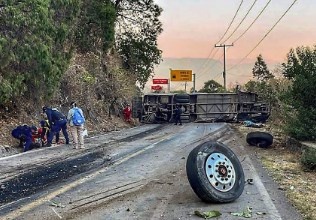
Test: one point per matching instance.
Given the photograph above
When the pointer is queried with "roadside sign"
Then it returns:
(181, 75)
(156, 88)
(160, 81)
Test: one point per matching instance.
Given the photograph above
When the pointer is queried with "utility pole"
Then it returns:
(224, 73)
(193, 82)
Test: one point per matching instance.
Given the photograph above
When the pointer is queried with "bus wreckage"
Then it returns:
(201, 107)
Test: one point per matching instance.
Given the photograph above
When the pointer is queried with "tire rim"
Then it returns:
(220, 172)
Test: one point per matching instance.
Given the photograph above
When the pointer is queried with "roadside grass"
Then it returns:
(299, 185)
(285, 168)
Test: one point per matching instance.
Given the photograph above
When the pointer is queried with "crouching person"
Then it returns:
(24, 134)
(76, 122)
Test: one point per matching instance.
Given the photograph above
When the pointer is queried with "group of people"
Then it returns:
(50, 128)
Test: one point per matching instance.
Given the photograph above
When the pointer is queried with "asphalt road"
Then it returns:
(132, 174)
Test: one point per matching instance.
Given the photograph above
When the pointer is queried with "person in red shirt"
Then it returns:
(127, 113)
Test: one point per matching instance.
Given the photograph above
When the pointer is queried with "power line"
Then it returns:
(265, 35)
(240, 36)
(241, 21)
(230, 24)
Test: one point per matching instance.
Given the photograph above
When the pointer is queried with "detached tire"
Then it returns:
(215, 173)
(260, 139)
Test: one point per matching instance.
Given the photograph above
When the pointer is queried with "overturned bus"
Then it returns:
(201, 107)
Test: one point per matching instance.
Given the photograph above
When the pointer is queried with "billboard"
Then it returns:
(181, 75)
(160, 81)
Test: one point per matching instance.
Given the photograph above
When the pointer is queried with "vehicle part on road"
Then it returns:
(260, 139)
(215, 173)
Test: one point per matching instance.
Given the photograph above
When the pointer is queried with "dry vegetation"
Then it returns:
(285, 168)
(84, 82)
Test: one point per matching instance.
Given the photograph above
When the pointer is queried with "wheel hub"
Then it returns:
(220, 172)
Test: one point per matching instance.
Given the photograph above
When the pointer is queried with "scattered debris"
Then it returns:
(246, 213)
(249, 181)
(207, 215)
(261, 213)
(252, 124)
(58, 205)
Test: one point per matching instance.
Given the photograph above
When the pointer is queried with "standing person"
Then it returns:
(57, 121)
(177, 115)
(24, 134)
(76, 122)
(127, 113)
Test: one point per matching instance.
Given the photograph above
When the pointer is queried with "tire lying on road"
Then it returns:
(260, 139)
(215, 173)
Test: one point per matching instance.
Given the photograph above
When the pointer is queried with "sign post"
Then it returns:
(181, 75)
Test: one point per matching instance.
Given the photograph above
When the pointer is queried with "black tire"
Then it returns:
(208, 159)
(182, 101)
(260, 139)
(182, 96)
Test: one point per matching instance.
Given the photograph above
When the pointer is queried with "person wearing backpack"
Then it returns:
(76, 122)
(57, 121)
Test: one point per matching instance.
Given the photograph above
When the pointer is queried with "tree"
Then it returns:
(260, 70)
(35, 46)
(137, 30)
(212, 86)
(300, 98)
(96, 26)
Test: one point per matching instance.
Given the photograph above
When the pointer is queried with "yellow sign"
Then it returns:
(181, 75)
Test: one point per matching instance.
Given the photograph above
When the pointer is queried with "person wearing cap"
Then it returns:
(57, 121)
(127, 113)
(24, 134)
(76, 130)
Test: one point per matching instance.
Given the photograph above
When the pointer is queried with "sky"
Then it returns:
(193, 27)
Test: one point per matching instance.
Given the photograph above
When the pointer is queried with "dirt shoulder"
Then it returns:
(285, 168)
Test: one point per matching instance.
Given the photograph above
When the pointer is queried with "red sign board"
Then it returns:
(160, 81)
(157, 88)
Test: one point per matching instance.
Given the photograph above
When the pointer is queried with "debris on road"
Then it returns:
(207, 215)
(246, 213)
(56, 204)
(249, 181)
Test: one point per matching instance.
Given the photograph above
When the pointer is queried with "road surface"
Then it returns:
(131, 174)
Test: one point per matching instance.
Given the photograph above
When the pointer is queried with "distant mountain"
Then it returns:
(205, 69)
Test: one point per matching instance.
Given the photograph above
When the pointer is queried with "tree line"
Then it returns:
(40, 38)
(290, 89)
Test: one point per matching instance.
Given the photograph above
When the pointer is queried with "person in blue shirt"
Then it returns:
(24, 134)
(57, 121)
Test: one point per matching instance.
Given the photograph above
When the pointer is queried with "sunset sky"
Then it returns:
(192, 27)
